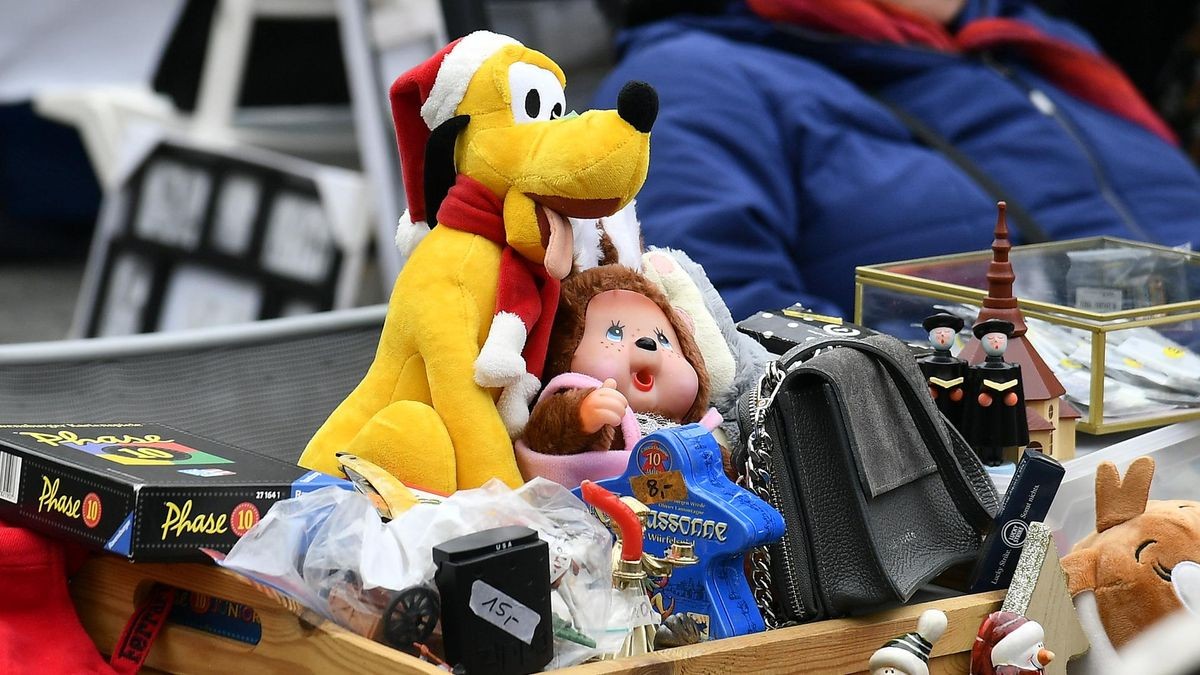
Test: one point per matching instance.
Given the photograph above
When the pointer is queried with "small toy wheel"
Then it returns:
(411, 616)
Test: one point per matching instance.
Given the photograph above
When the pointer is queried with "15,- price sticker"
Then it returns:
(653, 488)
(503, 611)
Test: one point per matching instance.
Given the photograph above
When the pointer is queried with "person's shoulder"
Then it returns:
(1055, 27)
(675, 51)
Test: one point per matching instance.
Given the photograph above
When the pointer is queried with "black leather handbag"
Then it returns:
(879, 493)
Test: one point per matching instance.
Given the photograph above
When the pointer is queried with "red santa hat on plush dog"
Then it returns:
(422, 100)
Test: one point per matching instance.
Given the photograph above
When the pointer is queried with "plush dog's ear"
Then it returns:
(1117, 500)
(1080, 567)
(440, 173)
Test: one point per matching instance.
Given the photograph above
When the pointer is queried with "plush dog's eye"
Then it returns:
(616, 332)
(533, 103)
(662, 338)
(537, 95)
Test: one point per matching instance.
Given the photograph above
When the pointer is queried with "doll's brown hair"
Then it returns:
(579, 289)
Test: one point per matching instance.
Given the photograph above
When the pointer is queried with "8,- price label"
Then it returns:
(653, 488)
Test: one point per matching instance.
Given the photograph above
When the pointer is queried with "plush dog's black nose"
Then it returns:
(646, 343)
(638, 104)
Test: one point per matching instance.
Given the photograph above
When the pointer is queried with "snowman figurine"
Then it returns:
(1010, 644)
(909, 653)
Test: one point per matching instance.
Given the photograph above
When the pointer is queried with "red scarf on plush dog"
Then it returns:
(525, 288)
(1082, 73)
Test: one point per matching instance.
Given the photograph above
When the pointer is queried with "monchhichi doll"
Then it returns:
(620, 358)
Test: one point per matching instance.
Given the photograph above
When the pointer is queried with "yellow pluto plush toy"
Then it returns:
(485, 147)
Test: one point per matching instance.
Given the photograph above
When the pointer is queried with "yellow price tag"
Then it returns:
(653, 488)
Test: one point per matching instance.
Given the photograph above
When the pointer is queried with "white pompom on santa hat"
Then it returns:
(422, 99)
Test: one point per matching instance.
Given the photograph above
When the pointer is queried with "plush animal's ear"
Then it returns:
(1117, 500)
(1080, 567)
(608, 251)
(686, 319)
(440, 173)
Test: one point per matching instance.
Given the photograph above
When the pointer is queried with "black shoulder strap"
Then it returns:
(1031, 232)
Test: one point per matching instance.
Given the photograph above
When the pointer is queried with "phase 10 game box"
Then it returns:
(149, 492)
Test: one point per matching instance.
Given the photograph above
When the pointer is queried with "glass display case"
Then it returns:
(1115, 320)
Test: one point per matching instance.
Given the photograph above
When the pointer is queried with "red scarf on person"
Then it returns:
(1084, 74)
(525, 288)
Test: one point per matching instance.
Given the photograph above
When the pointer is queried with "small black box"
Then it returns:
(1035, 481)
(149, 492)
(780, 330)
(495, 588)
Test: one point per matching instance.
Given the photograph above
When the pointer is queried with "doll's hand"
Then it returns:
(985, 400)
(1010, 399)
(604, 407)
(933, 393)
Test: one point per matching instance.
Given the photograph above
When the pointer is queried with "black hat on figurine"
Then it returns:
(993, 326)
(942, 320)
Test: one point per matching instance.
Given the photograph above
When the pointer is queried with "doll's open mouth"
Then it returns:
(1163, 572)
(643, 380)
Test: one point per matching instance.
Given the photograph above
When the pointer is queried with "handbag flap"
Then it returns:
(888, 449)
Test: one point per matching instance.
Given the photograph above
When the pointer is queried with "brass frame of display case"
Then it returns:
(1099, 324)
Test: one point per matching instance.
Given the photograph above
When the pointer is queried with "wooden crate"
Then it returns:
(294, 640)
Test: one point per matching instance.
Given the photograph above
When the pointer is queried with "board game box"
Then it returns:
(149, 492)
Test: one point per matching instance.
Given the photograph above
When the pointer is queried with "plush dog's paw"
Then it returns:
(514, 401)
(500, 363)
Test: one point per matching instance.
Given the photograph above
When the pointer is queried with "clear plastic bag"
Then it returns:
(331, 551)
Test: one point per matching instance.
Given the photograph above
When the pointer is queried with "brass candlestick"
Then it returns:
(631, 564)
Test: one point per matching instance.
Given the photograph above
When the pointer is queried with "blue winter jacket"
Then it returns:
(773, 166)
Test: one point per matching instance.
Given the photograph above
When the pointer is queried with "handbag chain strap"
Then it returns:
(757, 479)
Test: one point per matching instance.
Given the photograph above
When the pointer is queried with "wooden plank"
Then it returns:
(296, 641)
(841, 646)
(106, 590)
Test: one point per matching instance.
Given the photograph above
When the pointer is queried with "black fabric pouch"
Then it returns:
(879, 493)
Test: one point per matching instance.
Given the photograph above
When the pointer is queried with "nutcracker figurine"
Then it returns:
(944, 373)
(994, 411)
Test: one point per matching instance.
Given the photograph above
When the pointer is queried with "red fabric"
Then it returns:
(866, 19)
(1083, 74)
(407, 94)
(39, 631)
(524, 288)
